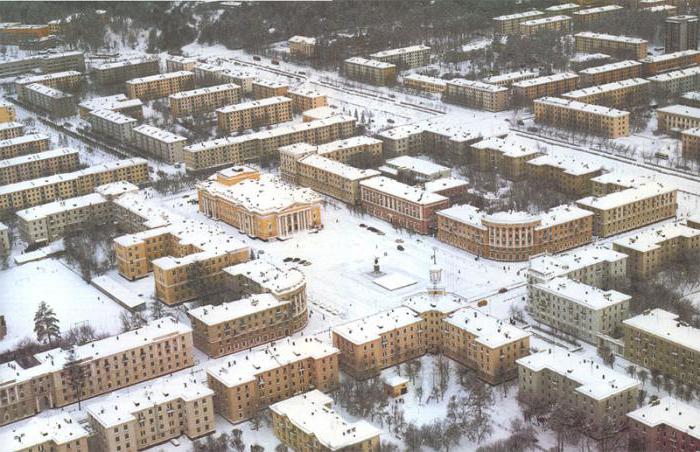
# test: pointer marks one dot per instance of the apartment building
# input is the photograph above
(332, 177)
(121, 71)
(14, 33)
(594, 119)
(286, 283)
(615, 181)
(29, 193)
(507, 79)
(402, 205)
(405, 57)
(559, 24)
(16, 66)
(207, 74)
(118, 102)
(595, 266)
(690, 140)
(370, 71)
(245, 148)
(65, 61)
(455, 190)
(514, 236)
(7, 112)
(247, 383)
(238, 77)
(413, 169)
(164, 145)
(60, 433)
(153, 415)
(379, 341)
(476, 94)
(11, 130)
(680, 33)
(575, 308)
(308, 422)
(254, 114)
(660, 341)
(676, 118)
(612, 72)
(603, 396)
(269, 88)
(112, 124)
(549, 85)
(32, 166)
(652, 249)
(508, 155)
(23, 145)
(174, 63)
(676, 82)
(622, 94)
(510, 24)
(161, 347)
(665, 62)
(56, 103)
(161, 85)
(424, 83)
(665, 424)
(563, 8)
(306, 99)
(583, 18)
(631, 208)
(567, 175)
(203, 100)
(617, 45)
(4, 249)
(303, 46)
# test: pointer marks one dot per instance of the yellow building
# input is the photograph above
(559, 24)
(548, 85)
(509, 155)
(476, 94)
(586, 17)
(302, 46)
(306, 99)
(269, 88)
(59, 433)
(332, 177)
(203, 100)
(121, 71)
(23, 145)
(161, 85)
(676, 118)
(370, 71)
(594, 119)
(623, 94)
(510, 24)
(32, 166)
(7, 112)
(11, 130)
(254, 114)
(64, 81)
(609, 73)
(566, 175)
(424, 83)
(160, 143)
(619, 46)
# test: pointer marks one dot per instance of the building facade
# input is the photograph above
(612, 72)
(549, 85)
(161, 85)
(203, 100)
(665, 424)
(370, 71)
(23, 145)
(112, 124)
(619, 46)
(32, 166)
(254, 114)
(121, 71)
(594, 119)
(680, 33)
(159, 143)
(476, 94)
(405, 57)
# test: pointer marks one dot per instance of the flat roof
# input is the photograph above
(205, 90)
(670, 412)
(367, 62)
(159, 134)
(609, 37)
(444, 183)
(226, 312)
(167, 75)
(667, 326)
(651, 239)
(563, 7)
(275, 278)
(583, 294)
(113, 116)
(489, 331)
(399, 51)
(114, 102)
(546, 79)
(627, 196)
(270, 83)
(60, 428)
(400, 190)
(266, 102)
(584, 107)
(371, 328)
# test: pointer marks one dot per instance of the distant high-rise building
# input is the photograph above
(681, 33)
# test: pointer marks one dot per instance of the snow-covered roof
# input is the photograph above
(659, 8)
(10, 125)
(23, 139)
(627, 180)
(371, 328)
(583, 107)
(400, 190)
(372, 63)
(426, 301)
(311, 413)
(306, 92)
(595, 380)
(673, 75)
(568, 165)
(425, 79)
(400, 51)
(510, 146)
(565, 263)
(205, 90)
(610, 67)
(606, 88)
(166, 76)
(477, 85)
(416, 165)
(489, 331)
(562, 7)
(64, 205)
(630, 195)
(293, 128)
(123, 406)
(180, 59)
(60, 429)
(46, 77)
(598, 9)
(117, 101)
(24, 159)
(546, 79)
(321, 112)
(113, 116)
(472, 216)
(244, 367)
(124, 63)
(303, 39)
(546, 20)
(395, 380)
(609, 37)
(158, 134)
(519, 15)
(279, 280)
(152, 214)
(510, 76)
(444, 183)
(582, 294)
(666, 325)
(681, 110)
(46, 90)
(669, 412)
(215, 314)
(270, 83)
(453, 132)
(690, 95)
(338, 168)
(562, 214)
(116, 188)
(266, 102)
(582, 57)
(670, 56)
(650, 239)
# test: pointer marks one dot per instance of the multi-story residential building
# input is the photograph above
(665, 62)
(583, 311)
(652, 249)
(56, 103)
(60, 433)
(405, 57)
(510, 24)
(259, 276)
(676, 82)
(152, 415)
(612, 72)
(306, 99)
(667, 10)
(603, 396)
(161, 85)
(379, 341)
(245, 384)
(269, 88)
(266, 208)
(680, 33)
(238, 77)
(112, 124)
(160, 143)
(690, 140)
(631, 208)
(406, 167)
(583, 18)
(370, 71)
(509, 155)
(665, 424)
(32, 166)
(207, 74)
(67, 185)
(4, 250)
(11, 130)
(676, 118)
(254, 114)
(121, 71)
(622, 94)
(660, 341)
(307, 422)
(246, 148)
(507, 79)
(568, 175)
(563, 8)
(549, 85)
(66, 61)
(17, 66)
(332, 177)
(402, 205)
(619, 46)
(14, 33)
(304, 46)
(455, 190)
(174, 63)
(476, 94)
(203, 100)
(424, 83)
(594, 119)
(159, 348)
(615, 181)
(558, 23)
(514, 236)
(596, 266)
(117, 102)
(23, 145)
(7, 112)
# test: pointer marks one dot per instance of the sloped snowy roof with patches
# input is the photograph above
(670, 412)
(667, 326)
(50, 154)
(266, 102)
(650, 239)
(60, 429)
(610, 67)
(400, 51)
(400, 190)
(371, 328)
(64, 205)
(570, 166)
(276, 279)
(489, 331)
(213, 315)
(166, 76)
(338, 168)
(205, 90)
(583, 294)
(583, 107)
(510, 146)
(565, 263)
(620, 198)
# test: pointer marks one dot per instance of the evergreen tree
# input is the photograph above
(46, 324)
